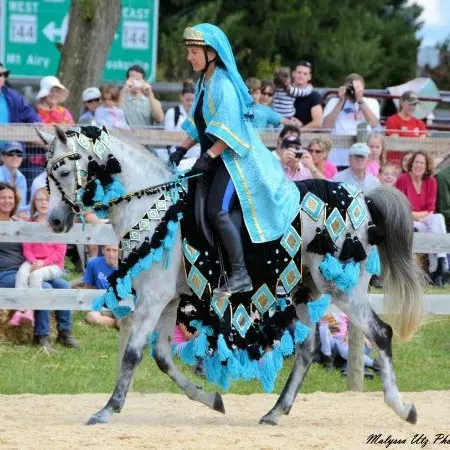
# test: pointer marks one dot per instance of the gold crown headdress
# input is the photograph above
(193, 37)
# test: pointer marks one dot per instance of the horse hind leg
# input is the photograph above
(163, 358)
(144, 321)
(380, 334)
(304, 354)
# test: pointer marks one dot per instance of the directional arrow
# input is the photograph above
(51, 31)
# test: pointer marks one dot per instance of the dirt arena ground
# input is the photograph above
(317, 421)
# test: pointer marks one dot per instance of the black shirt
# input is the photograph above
(303, 106)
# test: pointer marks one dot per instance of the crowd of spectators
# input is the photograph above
(288, 104)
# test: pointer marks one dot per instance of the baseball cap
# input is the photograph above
(4, 70)
(91, 93)
(410, 97)
(291, 140)
(359, 149)
(13, 146)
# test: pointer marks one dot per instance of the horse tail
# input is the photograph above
(403, 279)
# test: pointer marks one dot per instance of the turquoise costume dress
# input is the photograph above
(269, 202)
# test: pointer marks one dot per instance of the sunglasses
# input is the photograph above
(305, 63)
(93, 100)
(269, 94)
(14, 153)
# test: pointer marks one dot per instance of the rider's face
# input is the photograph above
(196, 56)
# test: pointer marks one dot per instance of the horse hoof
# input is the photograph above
(96, 420)
(218, 404)
(267, 421)
(412, 416)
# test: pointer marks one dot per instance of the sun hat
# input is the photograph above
(359, 149)
(91, 93)
(47, 83)
(4, 70)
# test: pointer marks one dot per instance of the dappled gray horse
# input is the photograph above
(157, 290)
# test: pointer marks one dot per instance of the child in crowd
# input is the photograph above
(389, 173)
(377, 155)
(91, 101)
(108, 113)
(285, 94)
(43, 262)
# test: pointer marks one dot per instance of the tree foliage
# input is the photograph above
(373, 37)
(441, 73)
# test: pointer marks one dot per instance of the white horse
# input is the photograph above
(157, 290)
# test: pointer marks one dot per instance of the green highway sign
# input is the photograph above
(30, 29)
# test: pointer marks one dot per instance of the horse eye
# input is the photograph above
(65, 173)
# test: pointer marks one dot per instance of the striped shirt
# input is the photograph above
(283, 101)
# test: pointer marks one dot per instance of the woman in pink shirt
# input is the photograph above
(318, 164)
(420, 187)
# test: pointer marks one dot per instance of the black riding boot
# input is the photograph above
(239, 279)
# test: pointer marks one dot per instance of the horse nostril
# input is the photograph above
(56, 222)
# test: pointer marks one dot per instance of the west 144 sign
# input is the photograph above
(30, 30)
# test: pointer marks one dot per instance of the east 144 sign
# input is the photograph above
(33, 28)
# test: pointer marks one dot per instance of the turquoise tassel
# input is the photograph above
(113, 190)
(99, 193)
(277, 359)
(98, 302)
(330, 267)
(287, 344)
(317, 308)
(222, 349)
(135, 271)
(224, 379)
(121, 311)
(187, 353)
(123, 286)
(201, 345)
(282, 303)
(373, 265)
(249, 369)
(157, 254)
(234, 368)
(301, 332)
(111, 300)
(152, 341)
(146, 262)
(349, 277)
(267, 372)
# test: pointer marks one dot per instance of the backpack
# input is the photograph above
(177, 115)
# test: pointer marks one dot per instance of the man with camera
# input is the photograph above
(138, 100)
(345, 113)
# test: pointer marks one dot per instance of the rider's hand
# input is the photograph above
(177, 155)
(204, 164)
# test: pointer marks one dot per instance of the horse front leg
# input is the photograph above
(304, 354)
(144, 322)
(163, 358)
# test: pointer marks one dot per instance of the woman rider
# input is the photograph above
(240, 168)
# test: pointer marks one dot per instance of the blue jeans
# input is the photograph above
(42, 318)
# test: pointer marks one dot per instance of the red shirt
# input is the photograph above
(426, 200)
(405, 128)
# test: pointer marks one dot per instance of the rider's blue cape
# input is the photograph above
(269, 202)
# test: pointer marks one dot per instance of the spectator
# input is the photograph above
(91, 100)
(285, 93)
(389, 173)
(13, 154)
(176, 116)
(43, 262)
(290, 154)
(108, 113)
(333, 330)
(39, 182)
(288, 131)
(420, 187)
(443, 198)
(404, 124)
(319, 165)
(345, 113)
(377, 155)
(13, 107)
(308, 109)
(357, 173)
(138, 100)
(267, 90)
(11, 259)
(96, 277)
(49, 97)
(264, 117)
(406, 158)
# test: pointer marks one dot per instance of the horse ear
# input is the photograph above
(60, 134)
(46, 138)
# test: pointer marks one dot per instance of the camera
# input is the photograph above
(299, 153)
(137, 84)
(350, 91)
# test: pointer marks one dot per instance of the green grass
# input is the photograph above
(422, 364)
